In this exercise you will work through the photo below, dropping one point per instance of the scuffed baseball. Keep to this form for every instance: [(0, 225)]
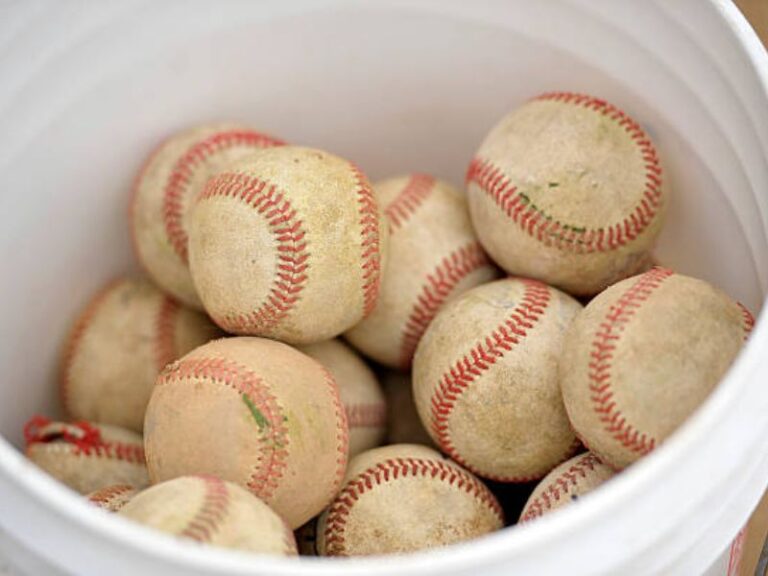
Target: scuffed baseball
[(434, 256), (86, 456), (113, 498), (214, 512), (485, 380), (565, 484), (255, 412), (403, 498), (643, 356), (171, 178), (568, 189), (403, 423), (288, 243), (359, 390), (122, 340)]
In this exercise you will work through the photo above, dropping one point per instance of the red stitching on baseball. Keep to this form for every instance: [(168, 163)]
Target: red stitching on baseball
[(292, 255), (273, 439), (75, 338), (747, 318), (736, 553), (84, 439), (413, 195), (603, 347), (342, 430), (491, 179), (104, 496), (366, 415), (368, 210), (165, 333), (177, 185), (467, 369), (560, 486), (438, 286), (390, 470), (209, 517)]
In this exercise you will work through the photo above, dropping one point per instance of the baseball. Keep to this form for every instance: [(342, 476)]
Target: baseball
[(434, 256), (403, 423), (403, 498), (112, 498), (255, 412), (567, 189), (171, 178), (122, 340), (485, 380), (359, 390), (86, 456), (288, 243), (566, 484), (643, 356), (211, 511)]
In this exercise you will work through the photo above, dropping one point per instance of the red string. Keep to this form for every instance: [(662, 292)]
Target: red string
[(81, 434)]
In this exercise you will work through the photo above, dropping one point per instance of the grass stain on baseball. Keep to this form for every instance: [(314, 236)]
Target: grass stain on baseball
[(260, 419)]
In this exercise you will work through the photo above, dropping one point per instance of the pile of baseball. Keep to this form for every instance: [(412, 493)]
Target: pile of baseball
[(227, 398)]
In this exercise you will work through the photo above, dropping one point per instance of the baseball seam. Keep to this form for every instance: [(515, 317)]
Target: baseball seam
[(465, 371), (390, 470), (165, 333), (211, 513), (437, 287), (177, 184), (292, 254), (273, 437), (601, 355), (104, 497), (411, 197), (747, 319), (75, 339), (518, 206), (87, 441), (366, 415), (342, 430), (368, 212), (560, 486)]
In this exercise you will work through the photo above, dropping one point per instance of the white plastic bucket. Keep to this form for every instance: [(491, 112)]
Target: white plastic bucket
[(87, 88)]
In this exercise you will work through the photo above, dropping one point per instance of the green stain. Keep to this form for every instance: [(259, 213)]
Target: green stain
[(553, 184), (260, 419)]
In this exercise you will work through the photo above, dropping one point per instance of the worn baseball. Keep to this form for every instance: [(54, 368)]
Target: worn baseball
[(403, 423), (565, 484), (434, 256), (485, 380), (86, 456), (359, 390), (568, 189), (113, 498), (288, 243), (643, 356), (255, 412), (122, 340), (403, 498), (212, 511), (171, 178)]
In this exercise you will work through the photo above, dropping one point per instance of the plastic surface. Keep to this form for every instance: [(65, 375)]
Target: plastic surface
[(89, 87)]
